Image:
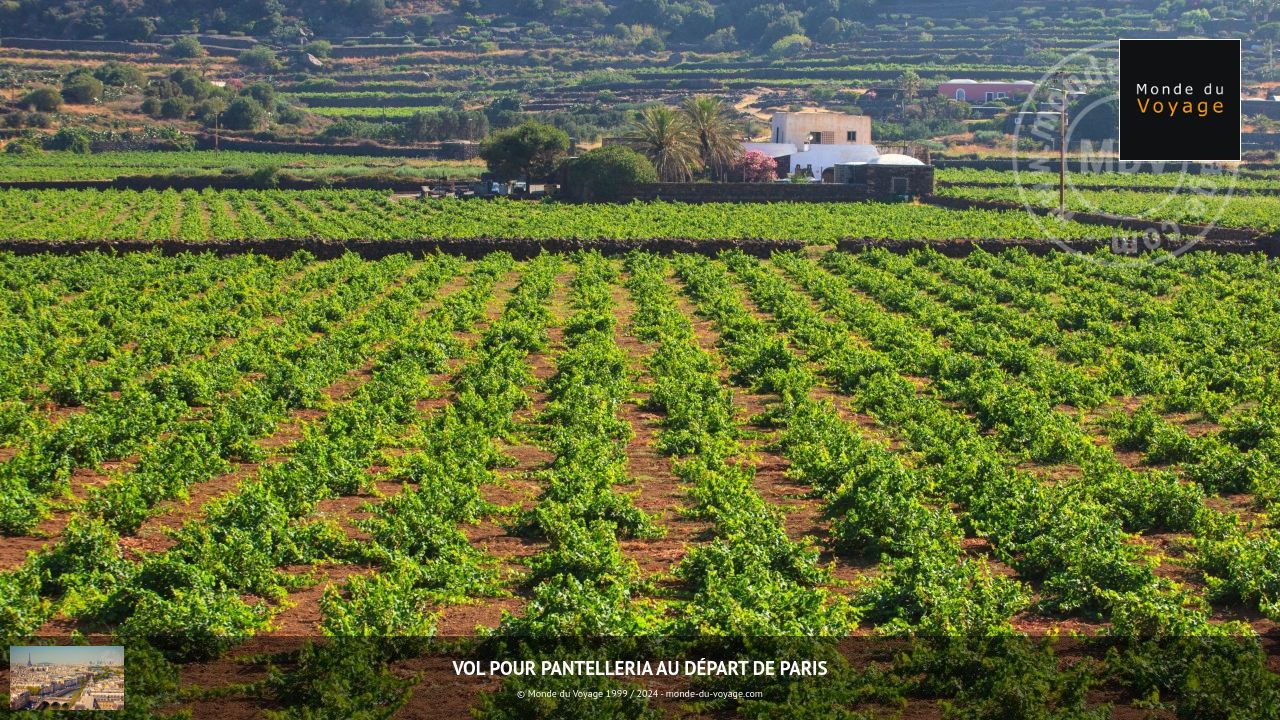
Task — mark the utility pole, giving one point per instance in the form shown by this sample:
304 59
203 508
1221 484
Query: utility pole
1062 157
217 116
1062 143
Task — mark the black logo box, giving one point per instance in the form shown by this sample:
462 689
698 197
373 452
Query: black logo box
1185 67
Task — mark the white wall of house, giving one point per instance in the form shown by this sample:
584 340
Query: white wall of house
816 157
819 128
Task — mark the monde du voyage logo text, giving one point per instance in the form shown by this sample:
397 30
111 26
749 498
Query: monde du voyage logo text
1180 100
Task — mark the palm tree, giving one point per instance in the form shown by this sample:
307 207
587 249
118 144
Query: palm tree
714 132
664 136
908 86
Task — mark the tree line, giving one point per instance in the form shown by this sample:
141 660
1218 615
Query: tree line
698 140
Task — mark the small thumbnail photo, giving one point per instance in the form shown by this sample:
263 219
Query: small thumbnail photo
66 677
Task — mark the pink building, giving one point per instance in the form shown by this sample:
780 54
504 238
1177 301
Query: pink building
974 91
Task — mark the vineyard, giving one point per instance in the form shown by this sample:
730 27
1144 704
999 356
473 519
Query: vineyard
1210 203
62 166
204 216
358 460
319 412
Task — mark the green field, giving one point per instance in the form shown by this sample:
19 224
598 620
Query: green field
1243 180
60 215
49 166
1214 205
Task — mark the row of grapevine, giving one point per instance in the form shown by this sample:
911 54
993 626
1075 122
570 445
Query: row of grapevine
416 554
151 406
87 562
1173 178
82 348
64 166
414 538
1085 565
880 508
1210 205
926 586
92 215
751 579
1170 337
1231 325
1242 457
581 586
1077 561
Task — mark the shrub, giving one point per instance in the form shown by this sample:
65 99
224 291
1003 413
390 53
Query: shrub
23 146
259 58
604 173
72 140
187 82
244 113
987 137
290 115
137 28
788 45
186 47
22 118
82 90
262 92
175 108
43 99
722 39
530 151
756 167
120 74
651 44
422 24
319 48
207 111
265 177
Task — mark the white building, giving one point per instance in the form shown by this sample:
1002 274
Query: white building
816 141
820 128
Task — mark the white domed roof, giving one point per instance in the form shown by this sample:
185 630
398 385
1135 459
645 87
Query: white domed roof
895 159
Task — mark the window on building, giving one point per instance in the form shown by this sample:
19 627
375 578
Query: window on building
815 138
990 96
900 186
960 94
851 135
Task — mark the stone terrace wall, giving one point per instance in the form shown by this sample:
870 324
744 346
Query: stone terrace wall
440 151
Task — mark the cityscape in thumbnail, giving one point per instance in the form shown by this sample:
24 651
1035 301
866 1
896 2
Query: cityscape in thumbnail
76 677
